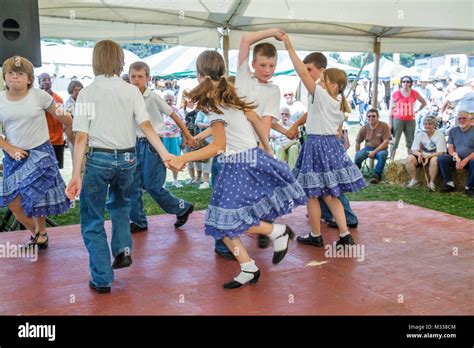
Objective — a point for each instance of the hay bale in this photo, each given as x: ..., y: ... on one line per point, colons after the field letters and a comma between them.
x: 396, y: 173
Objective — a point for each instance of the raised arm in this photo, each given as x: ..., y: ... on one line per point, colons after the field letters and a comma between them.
x: 299, y: 66
x: 250, y: 38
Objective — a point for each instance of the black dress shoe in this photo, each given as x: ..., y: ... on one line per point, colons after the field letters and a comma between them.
x: 34, y: 241
x: 134, y: 228
x: 122, y: 260
x: 234, y: 284
x: 181, y: 220
x: 346, y: 240
x: 99, y: 289
x: 279, y: 255
x: 263, y: 241
x: 310, y: 240
x: 227, y: 255
x: 332, y: 224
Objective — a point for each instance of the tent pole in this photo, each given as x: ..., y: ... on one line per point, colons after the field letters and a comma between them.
x: 376, y: 72
x: 225, y: 48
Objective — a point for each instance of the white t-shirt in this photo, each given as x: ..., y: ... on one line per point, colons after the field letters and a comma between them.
x: 324, y: 113
x: 266, y: 96
x: 24, y: 121
x: 107, y: 109
x: 156, y: 107
x: 423, y: 143
x: 238, y: 130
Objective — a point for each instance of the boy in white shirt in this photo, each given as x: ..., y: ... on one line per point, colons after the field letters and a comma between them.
x: 150, y: 173
x: 105, y: 116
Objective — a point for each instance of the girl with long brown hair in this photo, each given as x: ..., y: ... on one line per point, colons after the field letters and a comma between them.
x: 253, y: 188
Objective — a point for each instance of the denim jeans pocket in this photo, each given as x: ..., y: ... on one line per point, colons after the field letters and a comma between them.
x: 152, y: 150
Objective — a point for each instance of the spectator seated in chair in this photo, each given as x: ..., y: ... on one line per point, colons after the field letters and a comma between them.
x: 286, y: 149
x: 376, y: 135
x: 426, y: 148
x: 460, y: 153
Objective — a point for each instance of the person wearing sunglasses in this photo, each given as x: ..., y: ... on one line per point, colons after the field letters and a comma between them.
x: 460, y: 154
x: 376, y: 135
x: 402, y: 114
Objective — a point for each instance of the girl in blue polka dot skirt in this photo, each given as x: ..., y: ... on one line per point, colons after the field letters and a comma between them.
x: 323, y: 168
x: 253, y: 188
x: 31, y: 186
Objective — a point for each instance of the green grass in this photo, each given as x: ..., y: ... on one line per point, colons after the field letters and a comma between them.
x: 452, y: 203
x: 199, y: 198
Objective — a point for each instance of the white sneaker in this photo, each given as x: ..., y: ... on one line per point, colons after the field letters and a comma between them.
x: 412, y: 183
x: 204, y: 185
x: 432, y: 186
x: 177, y: 184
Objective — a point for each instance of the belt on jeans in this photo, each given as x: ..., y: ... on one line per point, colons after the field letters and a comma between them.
x: 98, y: 149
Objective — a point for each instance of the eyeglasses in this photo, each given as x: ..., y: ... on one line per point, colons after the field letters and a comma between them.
x: 284, y: 113
x: 406, y: 81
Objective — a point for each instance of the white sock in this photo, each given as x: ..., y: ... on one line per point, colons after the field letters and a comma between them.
x: 315, y: 234
x: 343, y: 234
x: 450, y: 183
x: 279, y: 244
x: 243, y: 277
x: 277, y: 231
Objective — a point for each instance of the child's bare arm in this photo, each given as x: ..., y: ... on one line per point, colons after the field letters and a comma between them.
x: 184, y: 130
x: 299, y: 65
x: 250, y: 38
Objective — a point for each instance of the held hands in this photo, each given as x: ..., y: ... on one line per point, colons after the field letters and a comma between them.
x: 279, y: 34
x: 286, y: 41
x: 191, y: 141
x: 176, y: 164
x: 292, y: 132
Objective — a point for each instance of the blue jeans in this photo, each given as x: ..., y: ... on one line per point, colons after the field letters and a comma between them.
x: 351, y: 217
x: 380, y: 156
x: 362, y: 110
x: 150, y: 175
x: 215, y: 169
x: 113, y: 174
x: 446, y: 165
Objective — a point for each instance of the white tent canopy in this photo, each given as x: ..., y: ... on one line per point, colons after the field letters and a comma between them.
x: 408, y: 26
x: 69, y: 61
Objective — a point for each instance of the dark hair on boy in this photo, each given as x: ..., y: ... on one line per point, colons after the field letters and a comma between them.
x: 317, y: 58
x: 264, y: 49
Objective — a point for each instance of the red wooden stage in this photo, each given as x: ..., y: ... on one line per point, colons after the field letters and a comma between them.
x: 416, y: 262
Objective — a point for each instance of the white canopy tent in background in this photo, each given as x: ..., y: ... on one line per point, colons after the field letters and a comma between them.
x: 180, y: 61
x: 66, y: 62
x: 403, y: 26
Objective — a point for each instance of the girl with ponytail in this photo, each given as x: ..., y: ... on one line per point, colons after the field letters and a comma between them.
x: 323, y: 168
x: 253, y: 188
